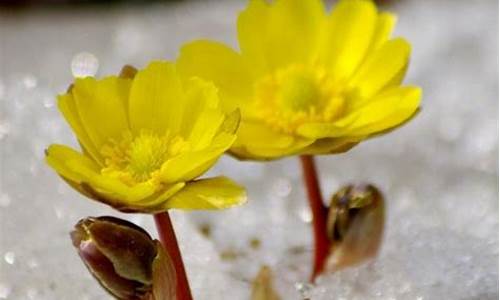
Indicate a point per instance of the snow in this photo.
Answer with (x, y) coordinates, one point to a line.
(439, 173)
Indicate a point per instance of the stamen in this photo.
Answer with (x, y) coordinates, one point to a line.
(139, 159)
(298, 94)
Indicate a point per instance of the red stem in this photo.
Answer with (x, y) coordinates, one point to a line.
(169, 241)
(319, 214)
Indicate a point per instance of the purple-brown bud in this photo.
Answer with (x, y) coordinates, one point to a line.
(124, 259)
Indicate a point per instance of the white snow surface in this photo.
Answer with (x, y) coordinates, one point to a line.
(439, 172)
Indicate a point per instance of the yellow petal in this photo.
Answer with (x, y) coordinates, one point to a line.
(385, 25)
(190, 165)
(205, 128)
(220, 64)
(55, 157)
(321, 130)
(332, 145)
(261, 152)
(381, 68)
(111, 190)
(80, 169)
(202, 115)
(58, 155)
(212, 193)
(350, 30)
(260, 135)
(260, 142)
(387, 110)
(257, 153)
(67, 107)
(231, 123)
(384, 111)
(271, 36)
(152, 203)
(156, 99)
(252, 24)
(100, 105)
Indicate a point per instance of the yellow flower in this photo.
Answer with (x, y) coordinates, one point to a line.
(145, 137)
(308, 82)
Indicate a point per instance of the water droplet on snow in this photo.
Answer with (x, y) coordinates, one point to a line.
(10, 258)
(84, 64)
(305, 215)
(304, 289)
(59, 212)
(282, 187)
(29, 82)
(48, 102)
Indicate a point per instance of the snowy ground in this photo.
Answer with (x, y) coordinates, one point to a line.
(439, 173)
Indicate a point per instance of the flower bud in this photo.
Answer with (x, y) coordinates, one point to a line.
(355, 225)
(124, 259)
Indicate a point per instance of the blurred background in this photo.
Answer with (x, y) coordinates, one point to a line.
(439, 172)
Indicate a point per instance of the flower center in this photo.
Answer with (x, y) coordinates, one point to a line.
(296, 95)
(138, 159)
